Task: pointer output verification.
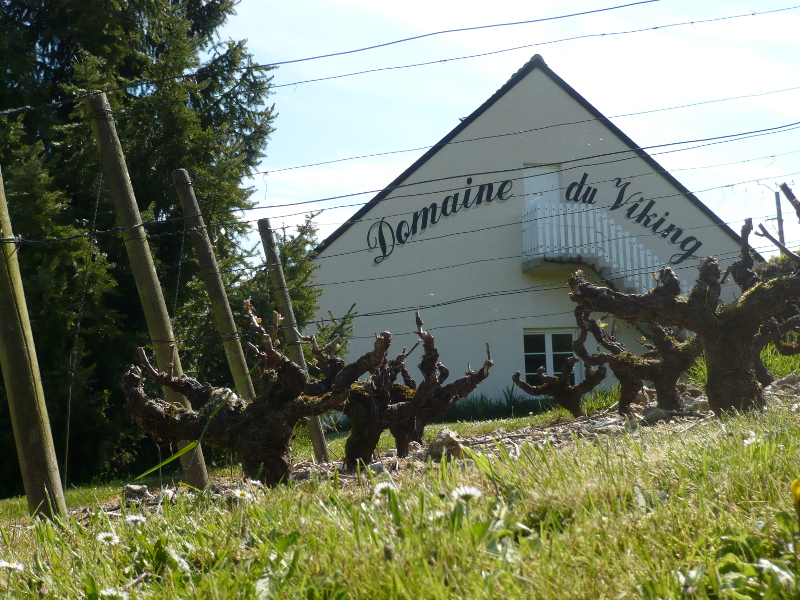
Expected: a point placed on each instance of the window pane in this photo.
(562, 342)
(558, 366)
(558, 362)
(533, 362)
(534, 343)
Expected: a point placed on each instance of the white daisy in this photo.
(382, 488)
(12, 566)
(242, 494)
(135, 520)
(750, 439)
(465, 493)
(108, 537)
(114, 593)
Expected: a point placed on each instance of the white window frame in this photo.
(548, 351)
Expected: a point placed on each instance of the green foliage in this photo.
(698, 512)
(698, 372)
(202, 354)
(776, 265)
(745, 565)
(64, 283)
(335, 328)
(480, 407)
(777, 364)
(515, 404)
(215, 124)
(600, 399)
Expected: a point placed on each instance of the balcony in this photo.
(580, 233)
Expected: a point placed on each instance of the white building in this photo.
(481, 233)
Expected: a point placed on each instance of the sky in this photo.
(399, 113)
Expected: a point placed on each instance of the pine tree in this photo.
(182, 98)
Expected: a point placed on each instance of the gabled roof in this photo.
(537, 62)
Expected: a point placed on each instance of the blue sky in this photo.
(619, 74)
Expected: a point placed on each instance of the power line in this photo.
(426, 35)
(475, 297)
(464, 264)
(190, 76)
(474, 262)
(428, 239)
(365, 219)
(495, 294)
(21, 240)
(567, 39)
(482, 138)
(145, 82)
(638, 151)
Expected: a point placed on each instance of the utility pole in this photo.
(216, 289)
(144, 271)
(778, 212)
(780, 217)
(294, 350)
(23, 383)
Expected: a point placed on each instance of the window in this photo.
(549, 350)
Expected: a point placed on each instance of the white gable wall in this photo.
(465, 273)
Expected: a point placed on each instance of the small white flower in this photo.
(465, 493)
(12, 566)
(242, 494)
(135, 520)
(108, 537)
(114, 593)
(255, 483)
(750, 439)
(382, 488)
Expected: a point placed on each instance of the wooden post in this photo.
(20, 368)
(294, 350)
(216, 290)
(144, 271)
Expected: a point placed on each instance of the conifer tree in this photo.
(182, 98)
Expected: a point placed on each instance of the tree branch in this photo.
(662, 304)
(742, 268)
(764, 233)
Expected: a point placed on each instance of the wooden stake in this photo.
(216, 289)
(294, 350)
(20, 368)
(144, 271)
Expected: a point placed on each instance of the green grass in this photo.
(625, 517)
(778, 365)
(481, 415)
(12, 509)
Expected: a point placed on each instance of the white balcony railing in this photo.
(559, 232)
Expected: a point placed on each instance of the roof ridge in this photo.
(536, 61)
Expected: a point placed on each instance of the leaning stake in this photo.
(37, 456)
(144, 271)
(223, 316)
(294, 350)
